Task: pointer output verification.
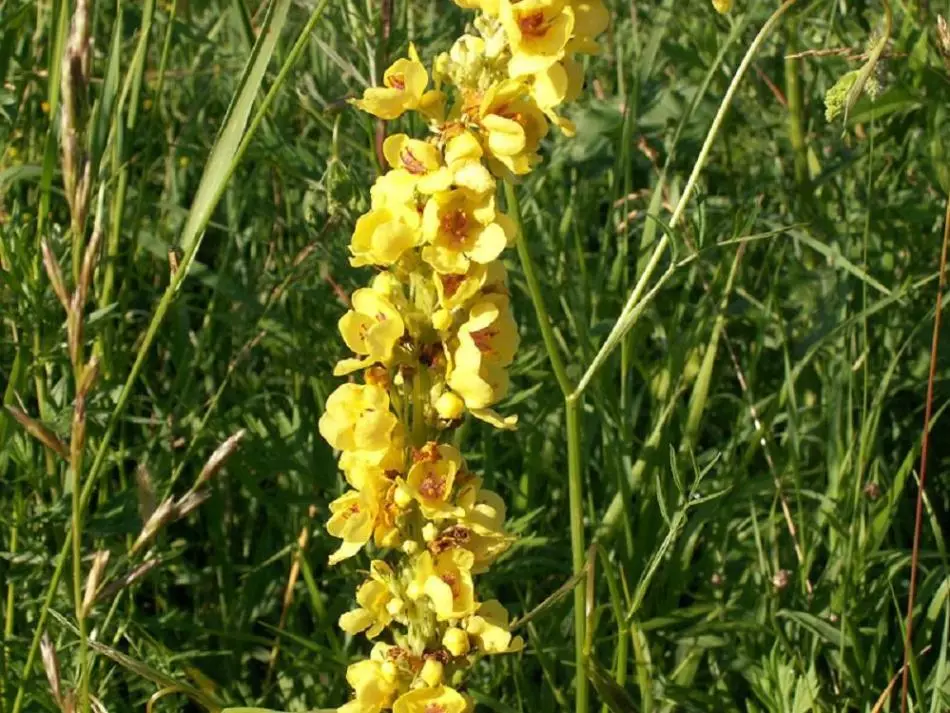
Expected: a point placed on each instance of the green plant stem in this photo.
(633, 303)
(575, 482)
(534, 289)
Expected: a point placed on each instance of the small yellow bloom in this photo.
(489, 628)
(417, 164)
(357, 417)
(372, 690)
(460, 230)
(490, 333)
(375, 598)
(549, 89)
(591, 18)
(463, 156)
(446, 580)
(439, 699)
(352, 519)
(456, 291)
(722, 6)
(404, 89)
(512, 125)
(431, 479)
(371, 329)
(383, 235)
(538, 32)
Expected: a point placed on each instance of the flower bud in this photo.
(442, 319)
(410, 547)
(402, 497)
(431, 672)
(456, 641)
(430, 531)
(449, 406)
(389, 671)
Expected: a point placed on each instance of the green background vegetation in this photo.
(783, 361)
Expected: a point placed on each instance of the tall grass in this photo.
(726, 303)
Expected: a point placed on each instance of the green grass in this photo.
(772, 370)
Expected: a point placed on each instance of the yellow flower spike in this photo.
(489, 629)
(374, 597)
(460, 230)
(357, 417)
(538, 32)
(591, 18)
(431, 479)
(404, 89)
(439, 699)
(447, 582)
(371, 329)
(381, 236)
(456, 641)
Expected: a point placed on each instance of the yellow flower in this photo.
(463, 155)
(371, 329)
(549, 89)
(373, 691)
(490, 333)
(353, 519)
(460, 230)
(431, 479)
(489, 628)
(404, 89)
(538, 32)
(381, 236)
(481, 529)
(374, 597)
(591, 18)
(722, 6)
(416, 164)
(446, 580)
(440, 699)
(456, 291)
(357, 417)
(512, 125)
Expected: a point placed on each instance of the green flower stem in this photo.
(575, 483)
(534, 289)
(640, 294)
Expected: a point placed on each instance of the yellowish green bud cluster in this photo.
(434, 336)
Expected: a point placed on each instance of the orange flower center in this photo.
(451, 284)
(432, 486)
(483, 339)
(396, 81)
(453, 582)
(533, 25)
(455, 225)
(434, 708)
(412, 164)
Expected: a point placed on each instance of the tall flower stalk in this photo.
(433, 336)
